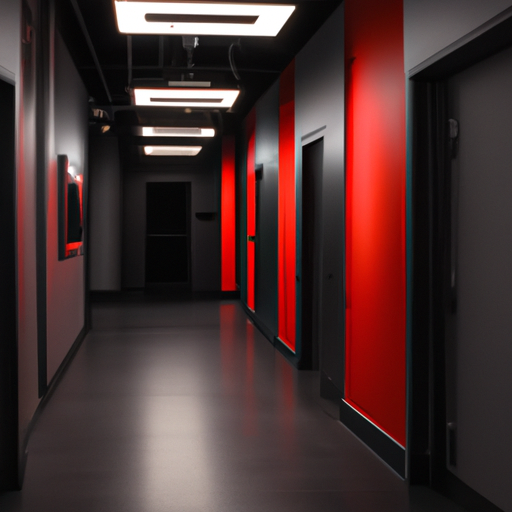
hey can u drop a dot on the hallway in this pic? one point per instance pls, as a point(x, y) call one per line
point(185, 406)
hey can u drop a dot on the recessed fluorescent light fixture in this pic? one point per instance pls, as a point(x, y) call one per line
point(172, 150)
point(150, 131)
point(196, 18)
point(206, 98)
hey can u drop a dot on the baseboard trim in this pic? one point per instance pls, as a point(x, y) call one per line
point(328, 390)
point(233, 295)
point(23, 453)
point(388, 450)
point(258, 323)
point(158, 294)
point(465, 496)
point(289, 354)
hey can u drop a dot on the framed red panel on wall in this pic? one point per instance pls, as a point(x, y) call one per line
point(70, 210)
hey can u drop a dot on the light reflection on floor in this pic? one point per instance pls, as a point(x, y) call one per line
point(185, 406)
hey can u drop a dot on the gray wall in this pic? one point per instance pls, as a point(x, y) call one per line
point(65, 279)
point(105, 214)
point(430, 26)
point(267, 153)
point(319, 112)
point(481, 366)
point(66, 129)
point(205, 235)
point(26, 212)
point(10, 39)
point(319, 109)
point(10, 59)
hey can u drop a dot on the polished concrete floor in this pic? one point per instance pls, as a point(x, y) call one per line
point(184, 406)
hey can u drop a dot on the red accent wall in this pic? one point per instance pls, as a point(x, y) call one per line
point(228, 216)
point(251, 203)
point(375, 380)
point(287, 209)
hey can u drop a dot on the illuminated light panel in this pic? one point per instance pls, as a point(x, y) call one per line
point(136, 17)
point(172, 150)
point(206, 98)
point(150, 131)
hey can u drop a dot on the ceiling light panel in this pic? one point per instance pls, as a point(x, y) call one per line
point(172, 150)
point(150, 131)
point(139, 17)
point(205, 98)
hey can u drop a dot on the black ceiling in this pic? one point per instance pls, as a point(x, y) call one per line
point(259, 61)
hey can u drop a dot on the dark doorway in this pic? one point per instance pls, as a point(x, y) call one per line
point(8, 306)
point(259, 258)
point(479, 332)
point(461, 281)
point(312, 165)
point(168, 234)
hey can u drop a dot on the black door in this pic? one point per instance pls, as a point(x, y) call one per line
point(479, 339)
point(312, 163)
point(8, 308)
point(460, 385)
point(168, 234)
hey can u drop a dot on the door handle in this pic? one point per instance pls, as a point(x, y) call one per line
point(251, 238)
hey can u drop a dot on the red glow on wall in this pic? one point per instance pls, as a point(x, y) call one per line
point(250, 427)
point(251, 204)
point(228, 216)
point(287, 209)
point(228, 337)
point(375, 214)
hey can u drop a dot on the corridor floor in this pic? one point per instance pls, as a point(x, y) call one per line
point(184, 406)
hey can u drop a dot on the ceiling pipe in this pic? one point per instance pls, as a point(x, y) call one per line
point(91, 47)
point(161, 52)
point(232, 60)
point(129, 49)
point(178, 69)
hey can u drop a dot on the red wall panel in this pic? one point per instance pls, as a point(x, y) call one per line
point(287, 210)
point(251, 204)
point(375, 213)
point(228, 216)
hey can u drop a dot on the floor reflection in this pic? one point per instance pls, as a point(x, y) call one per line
point(286, 408)
point(250, 427)
point(186, 406)
point(227, 347)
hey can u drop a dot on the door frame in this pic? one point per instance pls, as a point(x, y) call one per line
point(181, 285)
point(310, 349)
point(428, 257)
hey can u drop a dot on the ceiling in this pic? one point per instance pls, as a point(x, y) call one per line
point(110, 62)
